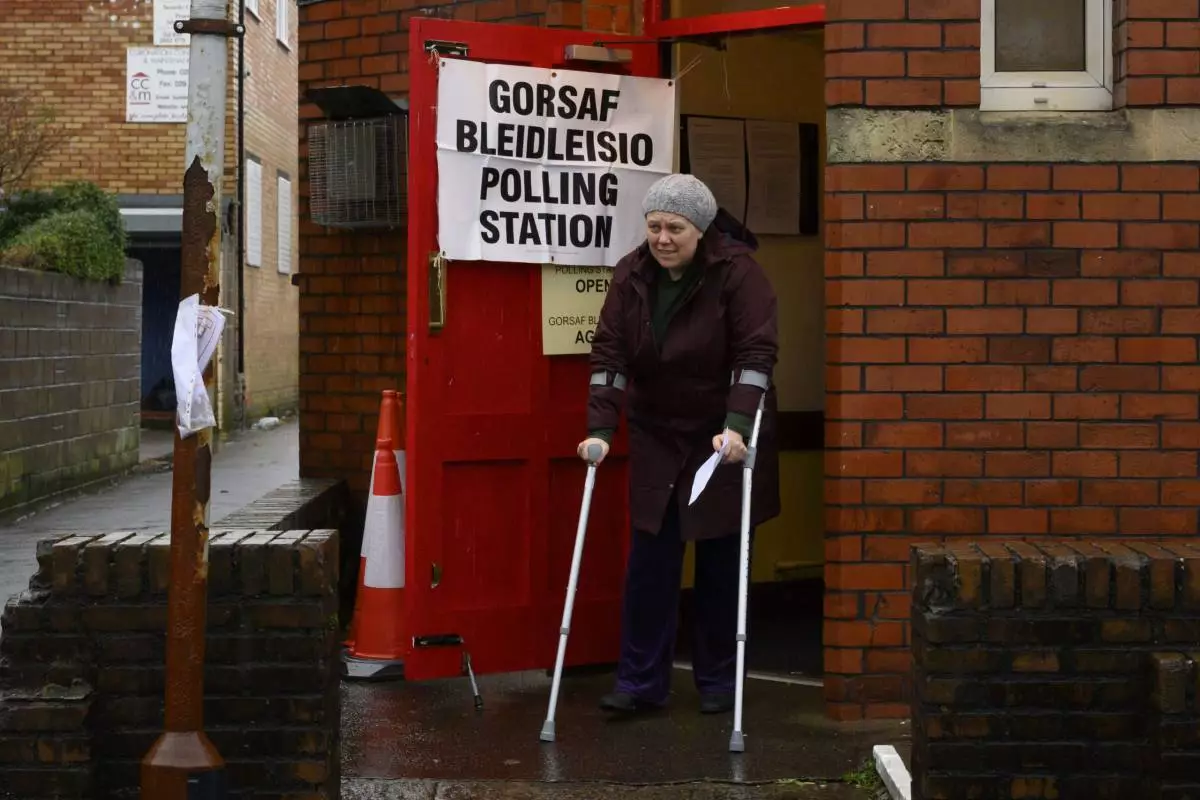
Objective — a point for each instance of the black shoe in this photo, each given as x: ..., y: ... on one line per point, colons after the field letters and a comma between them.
x: 622, y: 702
x: 716, y: 703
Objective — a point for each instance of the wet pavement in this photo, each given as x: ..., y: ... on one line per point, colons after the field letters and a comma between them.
x: 246, y: 466
x: 369, y: 789
x: 430, y: 732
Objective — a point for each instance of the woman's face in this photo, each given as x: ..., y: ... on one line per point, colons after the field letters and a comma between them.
x: 673, y: 239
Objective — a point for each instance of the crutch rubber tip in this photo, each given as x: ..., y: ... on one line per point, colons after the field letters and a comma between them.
x: 737, y: 742
x: 547, y: 731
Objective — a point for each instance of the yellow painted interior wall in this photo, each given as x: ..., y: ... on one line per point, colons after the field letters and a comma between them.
x: 775, y: 76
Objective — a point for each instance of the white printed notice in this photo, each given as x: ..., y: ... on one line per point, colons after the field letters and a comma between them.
x: 156, y: 84
x: 539, y: 165
x: 774, y: 154
x: 166, y: 12
x: 717, y: 156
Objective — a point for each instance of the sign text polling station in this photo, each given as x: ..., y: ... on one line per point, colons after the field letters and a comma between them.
x: 540, y: 165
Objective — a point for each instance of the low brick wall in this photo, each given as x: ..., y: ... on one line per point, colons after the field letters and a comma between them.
x: 82, y: 675
x: 1056, y: 670
x: 311, y: 503
x: 70, y: 381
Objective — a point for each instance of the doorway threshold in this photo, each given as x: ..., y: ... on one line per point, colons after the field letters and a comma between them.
x: 771, y: 677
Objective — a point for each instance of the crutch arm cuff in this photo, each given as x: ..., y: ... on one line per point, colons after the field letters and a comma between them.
x: 746, y: 388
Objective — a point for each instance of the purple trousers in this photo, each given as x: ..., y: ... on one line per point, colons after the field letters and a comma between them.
x: 650, y: 613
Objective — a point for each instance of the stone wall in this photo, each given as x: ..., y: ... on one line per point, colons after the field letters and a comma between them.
x: 1056, y: 670
x: 82, y: 676
x: 70, y: 380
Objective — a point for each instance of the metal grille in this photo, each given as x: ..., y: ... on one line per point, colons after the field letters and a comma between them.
x: 358, y: 172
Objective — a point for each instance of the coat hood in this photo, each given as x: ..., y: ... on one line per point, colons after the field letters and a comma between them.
x: 727, y: 237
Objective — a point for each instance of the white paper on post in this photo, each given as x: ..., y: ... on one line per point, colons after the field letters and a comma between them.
x: 705, y: 473
x: 197, y: 332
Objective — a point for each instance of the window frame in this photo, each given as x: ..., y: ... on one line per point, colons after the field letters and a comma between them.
x: 1087, y: 90
x: 252, y: 7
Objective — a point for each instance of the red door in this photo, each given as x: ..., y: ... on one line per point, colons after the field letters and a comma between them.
x: 494, y: 486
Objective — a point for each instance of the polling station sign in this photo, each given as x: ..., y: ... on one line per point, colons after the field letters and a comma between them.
x: 547, y: 166
x: 572, y: 298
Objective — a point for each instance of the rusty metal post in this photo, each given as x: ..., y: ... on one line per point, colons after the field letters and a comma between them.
x: 183, y: 763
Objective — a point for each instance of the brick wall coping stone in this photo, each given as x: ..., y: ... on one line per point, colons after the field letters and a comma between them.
x: 1056, y: 669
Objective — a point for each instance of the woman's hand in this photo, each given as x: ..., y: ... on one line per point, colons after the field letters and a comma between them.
x: 582, y: 450
x: 737, y: 446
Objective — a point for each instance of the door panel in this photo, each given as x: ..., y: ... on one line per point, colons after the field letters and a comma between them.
x: 494, y: 486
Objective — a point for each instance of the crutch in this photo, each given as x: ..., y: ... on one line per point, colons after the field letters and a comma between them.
x: 737, y: 741
x: 593, y: 456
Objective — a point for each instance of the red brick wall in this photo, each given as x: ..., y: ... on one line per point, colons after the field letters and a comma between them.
x: 352, y: 295
x: 1011, y: 347
x: 882, y: 53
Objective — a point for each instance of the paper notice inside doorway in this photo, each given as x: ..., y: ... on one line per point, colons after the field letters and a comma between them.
x: 773, y: 150
x: 717, y: 156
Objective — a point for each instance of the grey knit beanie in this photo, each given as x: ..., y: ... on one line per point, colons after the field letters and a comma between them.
x: 685, y: 195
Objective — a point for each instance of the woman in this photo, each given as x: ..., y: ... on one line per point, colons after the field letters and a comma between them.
x: 686, y: 344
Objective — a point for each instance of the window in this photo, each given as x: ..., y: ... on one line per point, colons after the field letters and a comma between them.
x: 1046, y: 55
x: 283, y: 227
x: 283, y: 26
x: 252, y: 7
x: 253, y: 213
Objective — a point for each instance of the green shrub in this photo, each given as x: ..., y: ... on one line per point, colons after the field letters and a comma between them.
x: 75, y: 243
x: 57, y: 229
x: 25, y: 208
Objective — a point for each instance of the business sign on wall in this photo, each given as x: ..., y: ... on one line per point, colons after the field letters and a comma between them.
x: 539, y: 165
x: 156, y: 84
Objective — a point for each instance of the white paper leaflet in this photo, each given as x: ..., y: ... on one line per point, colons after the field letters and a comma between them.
x: 197, y: 332
x: 547, y: 166
x: 705, y: 473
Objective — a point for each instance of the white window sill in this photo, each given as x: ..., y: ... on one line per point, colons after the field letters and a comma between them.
x: 1009, y: 98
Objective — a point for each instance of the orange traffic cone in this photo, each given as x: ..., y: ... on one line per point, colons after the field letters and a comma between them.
x: 391, y: 426
x: 379, y: 641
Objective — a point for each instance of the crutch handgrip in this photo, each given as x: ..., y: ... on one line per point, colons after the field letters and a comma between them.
x: 594, y: 451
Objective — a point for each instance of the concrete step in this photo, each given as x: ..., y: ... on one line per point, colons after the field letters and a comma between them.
x: 403, y: 789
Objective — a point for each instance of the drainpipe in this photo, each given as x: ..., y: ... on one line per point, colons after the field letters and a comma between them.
x: 241, y: 196
x: 183, y: 763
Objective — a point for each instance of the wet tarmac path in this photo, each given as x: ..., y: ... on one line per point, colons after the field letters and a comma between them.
x: 432, y: 732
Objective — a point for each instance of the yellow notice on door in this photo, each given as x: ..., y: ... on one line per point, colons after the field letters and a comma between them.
x: 571, y: 302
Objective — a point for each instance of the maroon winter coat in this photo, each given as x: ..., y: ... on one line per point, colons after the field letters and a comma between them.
x: 678, y: 394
